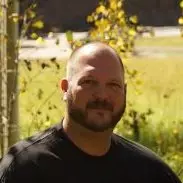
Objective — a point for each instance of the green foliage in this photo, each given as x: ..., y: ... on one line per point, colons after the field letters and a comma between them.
x: 31, y: 23
x: 39, y: 95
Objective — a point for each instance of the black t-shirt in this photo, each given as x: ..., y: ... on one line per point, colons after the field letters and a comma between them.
x: 51, y: 157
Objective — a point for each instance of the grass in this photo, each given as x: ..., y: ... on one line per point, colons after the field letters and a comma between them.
x: 161, y: 87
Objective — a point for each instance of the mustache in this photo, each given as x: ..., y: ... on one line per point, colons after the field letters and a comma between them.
x: 99, y: 104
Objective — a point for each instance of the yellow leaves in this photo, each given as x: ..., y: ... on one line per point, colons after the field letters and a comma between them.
x: 93, y: 34
x: 180, y: 20
x: 31, y: 14
x: 97, y: 23
x: 120, y: 14
x: 101, y: 9
x: 77, y: 44
x: 33, y: 6
x: 38, y: 24
x: 40, y: 40
x: 120, y: 43
x: 132, y: 32
x: 112, y: 43
x: 181, y: 4
x: 119, y: 4
x: 112, y: 26
x: 69, y: 36
x: 102, y: 24
x: 34, y: 35
x: 89, y: 19
x: 134, y: 19
x: 113, y: 5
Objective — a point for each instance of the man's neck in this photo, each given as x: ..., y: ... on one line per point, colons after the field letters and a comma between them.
x: 92, y: 143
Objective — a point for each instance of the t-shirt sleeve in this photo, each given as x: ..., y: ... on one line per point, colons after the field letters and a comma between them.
x: 15, y: 168
x: 171, y: 176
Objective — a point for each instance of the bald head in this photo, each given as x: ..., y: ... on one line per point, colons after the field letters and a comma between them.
x: 93, y: 49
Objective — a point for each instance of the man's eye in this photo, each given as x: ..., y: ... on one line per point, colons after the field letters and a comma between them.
x: 115, y: 85
x: 88, y: 82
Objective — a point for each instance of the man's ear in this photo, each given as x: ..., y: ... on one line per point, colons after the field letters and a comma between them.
x: 64, y: 85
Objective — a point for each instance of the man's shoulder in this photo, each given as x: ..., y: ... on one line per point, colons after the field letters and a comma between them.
x: 134, y: 149
x: 42, y: 138
x: 27, y: 150
x: 140, y: 156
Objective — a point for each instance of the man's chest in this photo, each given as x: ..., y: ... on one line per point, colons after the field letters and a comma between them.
x: 90, y: 172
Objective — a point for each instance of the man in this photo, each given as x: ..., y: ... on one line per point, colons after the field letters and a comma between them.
x: 83, y: 148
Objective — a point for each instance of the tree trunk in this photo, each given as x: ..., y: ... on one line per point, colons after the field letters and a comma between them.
x: 9, y: 133
x: 12, y: 94
x: 3, y: 78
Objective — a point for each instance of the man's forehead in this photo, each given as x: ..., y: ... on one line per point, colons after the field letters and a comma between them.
x: 91, y: 53
x: 99, y: 71
x: 92, y: 49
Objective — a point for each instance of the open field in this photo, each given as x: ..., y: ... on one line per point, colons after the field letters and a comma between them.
x: 161, y: 87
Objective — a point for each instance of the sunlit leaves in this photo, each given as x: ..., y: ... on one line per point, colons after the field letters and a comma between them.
x: 38, y: 24
x: 40, y: 40
x: 69, y: 36
x: 112, y: 26
x: 180, y: 20
x: 120, y: 14
x: 101, y: 9
x: 181, y: 4
x: 31, y: 14
x: 89, y: 19
x: 132, y: 32
x: 119, y: 4
x: 34, y: 35
x: 134, y: 19
x: 113, y: 5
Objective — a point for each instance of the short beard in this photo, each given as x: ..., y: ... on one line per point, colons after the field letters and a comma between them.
x: 80, y: 117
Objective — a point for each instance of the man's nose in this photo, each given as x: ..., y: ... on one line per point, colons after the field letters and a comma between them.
x: 101, y: 93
